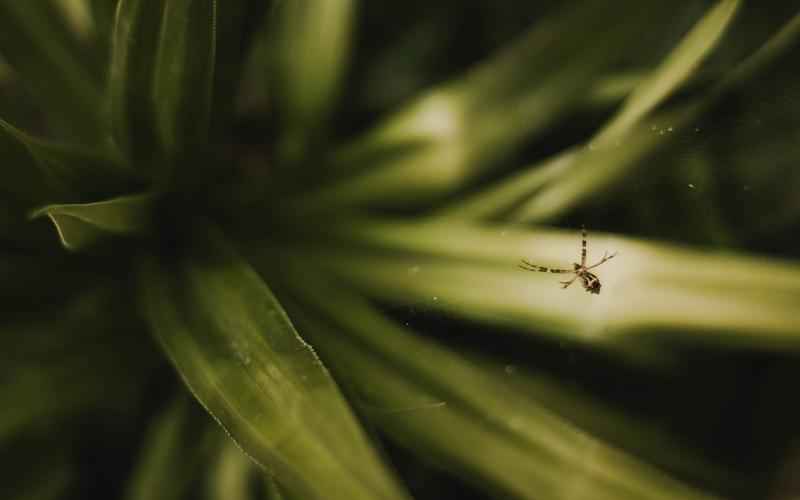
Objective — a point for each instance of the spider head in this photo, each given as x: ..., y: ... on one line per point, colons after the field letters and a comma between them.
x: 576, y: 266
x: 592, y: 284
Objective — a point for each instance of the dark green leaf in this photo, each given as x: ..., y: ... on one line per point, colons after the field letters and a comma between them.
x: 132, y: 69
x: 54, y: 64
x: 52, y: 355
x: 162, y: 76
x: 102, y: 13
x: 36, y: 171
x: 236, y: 28
x: 184, y: 73
x: 239, y: 354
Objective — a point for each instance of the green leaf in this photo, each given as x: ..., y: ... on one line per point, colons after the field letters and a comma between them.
x: 58, y: 345
x: 37, y: 171
x: 184, y: 74
x: 232, y: 474
x: 102, y: 15
x: 23, y: 176
x: 616, y: 145
x: 468, y: 125
x: 37, y: 43
x: 311, y: 46
x: 172, y: 455
x: 162, y: 75
x: 422, y: 395
x: 236, y: 31
x: 648, y: 289
x: 83, y: 225
x: 240, y: 356
x: 132, y: 69
x: 596, y: 171
x: 673, y: 72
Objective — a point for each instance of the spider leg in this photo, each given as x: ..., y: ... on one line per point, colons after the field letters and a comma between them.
x: 583, y: 246
x: 605, y: 258
x: 568, y: 283
x: 533, y: 267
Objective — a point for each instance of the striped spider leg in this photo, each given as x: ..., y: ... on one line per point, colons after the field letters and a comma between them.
x: 590, y: 281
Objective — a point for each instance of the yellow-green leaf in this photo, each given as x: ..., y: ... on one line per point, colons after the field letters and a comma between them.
x: 82, y: 225
x: 241, y: 357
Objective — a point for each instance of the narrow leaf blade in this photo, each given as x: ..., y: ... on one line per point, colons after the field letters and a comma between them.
x: 311, y: 44
x: 424, y: 399
x: 36, y: 41
x: 184, y: 74
x: 238, y: 352
x: 162, y: 80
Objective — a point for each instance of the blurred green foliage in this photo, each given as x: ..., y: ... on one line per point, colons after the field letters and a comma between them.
x: 307, y: 215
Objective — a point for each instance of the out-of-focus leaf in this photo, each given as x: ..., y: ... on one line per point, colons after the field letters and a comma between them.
x: 162, y: 78
x: 83, y: 225
x: 586, y: 177
x: 172, y: 454
x: 137, y: 30
x: 36, y: 41
x: 423, y: 396
x: 673, y: 72
x: 236, y: 29
x: 52, y: 355
x: 239, y: 354
x: 311, y: 44
x: 467, y: 125
x: 613, y: 147
x: 273, y: 492
x: 37, y: 171
x: 232, y: 475
x: 78, y: 16
x: 24, y: 176
x: 647, y: 287
x: 184, y: 74
x: 483, y: 384
x: 102, y: 13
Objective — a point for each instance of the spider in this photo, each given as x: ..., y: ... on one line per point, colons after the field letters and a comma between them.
x: 589, y: 280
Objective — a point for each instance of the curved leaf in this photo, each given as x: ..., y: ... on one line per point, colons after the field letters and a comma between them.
x: 239, y: 354
x: 37, y: 43
x: 81, y: 226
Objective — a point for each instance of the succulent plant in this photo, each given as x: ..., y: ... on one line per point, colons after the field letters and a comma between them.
x: 241, y: 204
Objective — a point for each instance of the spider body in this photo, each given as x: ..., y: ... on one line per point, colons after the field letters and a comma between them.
x: 590, y: 281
